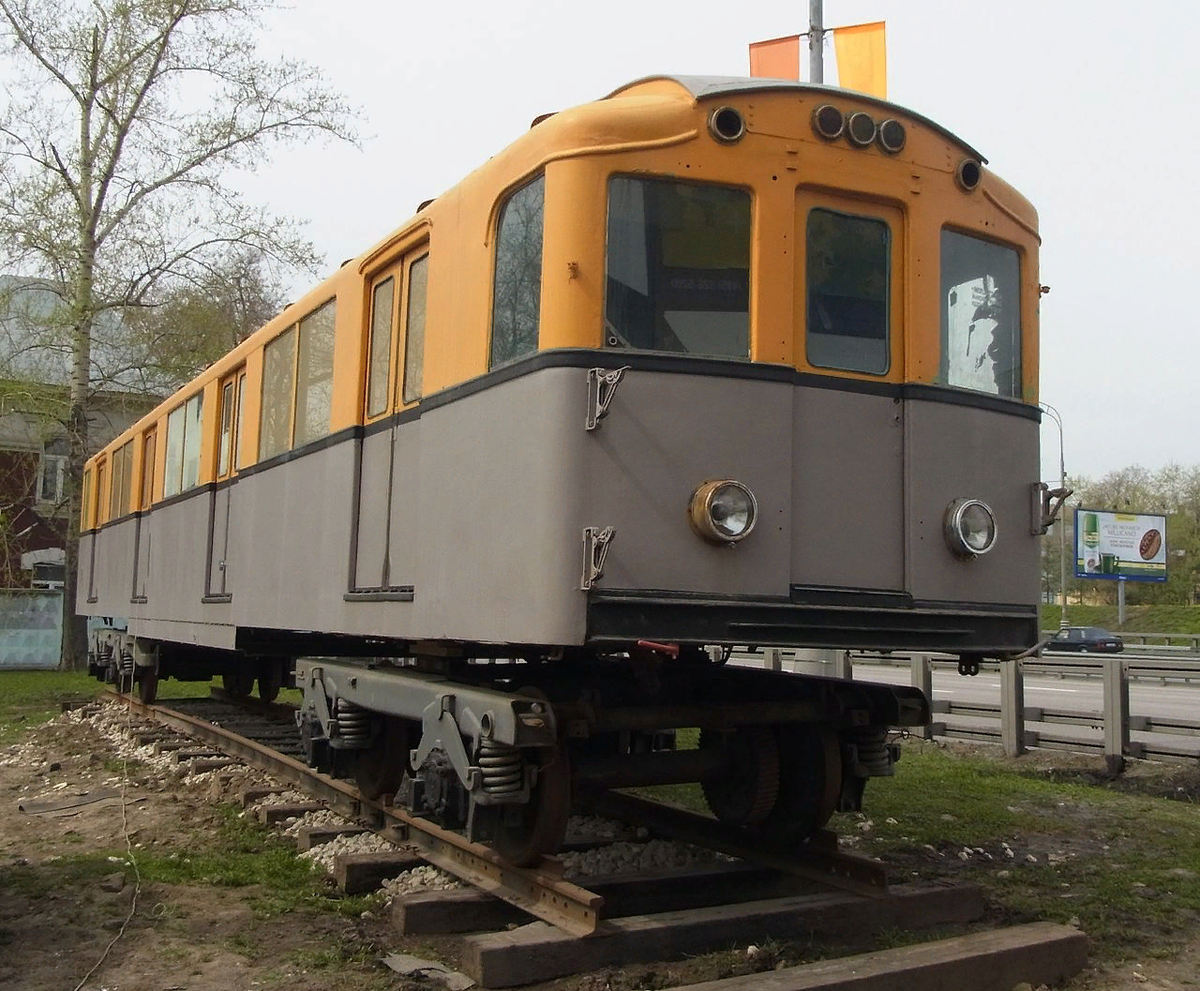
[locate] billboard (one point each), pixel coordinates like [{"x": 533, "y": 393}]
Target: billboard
[{"x": 1132, "y": 546}]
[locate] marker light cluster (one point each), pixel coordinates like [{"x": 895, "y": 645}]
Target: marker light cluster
[{"x": 860, "y": 128}]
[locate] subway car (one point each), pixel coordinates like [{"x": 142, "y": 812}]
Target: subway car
[{"x": 706, "y": 363}]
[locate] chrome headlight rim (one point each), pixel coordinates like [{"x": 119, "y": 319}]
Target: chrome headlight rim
[
  {"x": 955, "y": 533},
  {"x": 703, "y": 520}
]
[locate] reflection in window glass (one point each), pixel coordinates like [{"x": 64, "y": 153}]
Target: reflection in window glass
[
  {"x": 517, "y": 298},
  {"x": 149, "y": 443},
  {"x": 279, "y": 367},
  {"x": 225, "y": 447},
  {"x": 414, "y": 334},
  {"x": 981, "y": 315},
  {"x": 122, "y": 479},
  {"x": 381, "y": 346},
  {"x": 171, "y": 485},
  {"x": 85, "y": 521},
  {"x": 847, "y": 274},
  {"x": 191, "y": 441},
  {"x": 183, "y": 447},
  {"x": 678, "y": 267},
  {"x": 314, "y": 394}
]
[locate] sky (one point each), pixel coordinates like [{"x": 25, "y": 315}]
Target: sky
[{"x": 1085, "y": 107}]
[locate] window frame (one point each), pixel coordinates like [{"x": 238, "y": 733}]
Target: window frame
[
  {"x": 296, "y": 330},
  {"x": 502, "y": 206},
  {"x": 231, "y": 390},
  {"x": 149, "y": 441},
  {"x": 121, "y": 482},
  {"x": 388, "y": 275},
  {"x": 60, "y": 464},
  {"x": 1018, "y": 254},
  {"x": 417, "y": 256},
  {"x": 610, "y": 340},
  {"x": 176, "y": 483}
]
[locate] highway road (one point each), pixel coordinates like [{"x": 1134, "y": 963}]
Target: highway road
[{"x": 1174, "y": 700}]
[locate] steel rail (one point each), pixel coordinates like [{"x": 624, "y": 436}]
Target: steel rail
[
  {"x": 817, "y": 860},
  {"x": 540, "y": 892}
]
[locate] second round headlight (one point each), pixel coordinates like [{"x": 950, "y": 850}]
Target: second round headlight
[
  {"x": 723, "y": 511},
  {"x": 970, "y": 527}
]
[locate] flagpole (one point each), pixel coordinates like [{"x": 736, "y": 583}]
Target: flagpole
[{"x": 816, "y": 42}]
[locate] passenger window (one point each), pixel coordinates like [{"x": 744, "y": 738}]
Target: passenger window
[
  {"x": 229, "y": 439},
  {"x": 101, "y": 476},
  {"x": 981, "y": 315},
  {"x": 279, "y": 371},
  {"x": 848, "y": 270},
  {"x": 678, "y": 268},
  {"x": 414, "y": 329},
  {"x": 149, "y": 452},
  {"x": 183, "y": 447},
  {"x": 517, "y": 296},
  {"x": 380, "y": 346},
  {"x": 122, "y": 480},
  {"x": 314, "y": 393},
  {"x": 87, "y": 516}
]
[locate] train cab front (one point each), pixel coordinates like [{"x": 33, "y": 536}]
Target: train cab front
[{"x": 820, "y": 425}]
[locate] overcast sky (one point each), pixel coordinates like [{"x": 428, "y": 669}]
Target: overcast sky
[{"x": 1086, "y": 107}]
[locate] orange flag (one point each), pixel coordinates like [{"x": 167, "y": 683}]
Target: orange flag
[
  {"x": 778, "y": 58},
  {"x": 861, "y": 58}
]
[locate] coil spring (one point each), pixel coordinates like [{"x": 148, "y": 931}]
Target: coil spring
[
  {"x": 126, "y": 663},
  {"x": 501, "y": 767},
  {"x": 874, "y": 755},
  {"x": 353, "y": 723}
]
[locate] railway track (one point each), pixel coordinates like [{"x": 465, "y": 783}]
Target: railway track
[{"x": 764, "y": 894}]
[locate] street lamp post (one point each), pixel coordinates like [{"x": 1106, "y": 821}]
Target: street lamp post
[{"x": 1062, "y": 523}]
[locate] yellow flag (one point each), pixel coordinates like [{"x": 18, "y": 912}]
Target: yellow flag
[
  {"x": 862, "y": 58},
  {"x": 778, "y": 58}
]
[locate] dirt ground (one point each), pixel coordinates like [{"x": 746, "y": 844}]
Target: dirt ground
[{"x": 81, "y": 933}]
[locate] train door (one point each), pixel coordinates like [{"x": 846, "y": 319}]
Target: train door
[
  {"x": 388, "y": 455},
  {"x": 232, "y": 393},
  {"x": 96, "y": 518},
  {"x": 144, "y": 526},
  {"x": 848, "y": 462},
  {"x": 371, "y": 560}
]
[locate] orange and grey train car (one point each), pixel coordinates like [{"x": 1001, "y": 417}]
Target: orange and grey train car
[{"x": 708, "y": 362}]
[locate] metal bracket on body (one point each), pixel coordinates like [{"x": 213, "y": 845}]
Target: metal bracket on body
[
  {"x": 595, "y": 552},
  {"x": 602, "y": 386},
  {"x": 1045, "y": 504}
]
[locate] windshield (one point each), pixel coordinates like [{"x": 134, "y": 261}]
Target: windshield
[
  {"x": 981, "y": 315},
  {"x": 678, "y": 268}
]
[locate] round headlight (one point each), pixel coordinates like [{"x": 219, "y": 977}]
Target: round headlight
[
  {"x": 970, "y": 527},
  {"x": 723, "y": 511}
]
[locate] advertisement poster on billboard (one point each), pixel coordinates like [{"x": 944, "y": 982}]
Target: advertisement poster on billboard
[{"x": 1132, "y": 546}]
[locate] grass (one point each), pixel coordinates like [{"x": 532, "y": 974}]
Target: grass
[
  {"x": 28, "y": 698},
  {"x": 1125, "y": 866},
  {"x": 1138, "y": 619}
]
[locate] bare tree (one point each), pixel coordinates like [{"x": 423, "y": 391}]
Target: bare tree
[{"x": 122, "y": 119}]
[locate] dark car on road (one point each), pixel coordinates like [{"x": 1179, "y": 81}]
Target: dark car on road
[{"x": 1085, "y": 638}]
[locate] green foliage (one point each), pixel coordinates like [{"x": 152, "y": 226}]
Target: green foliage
[
  {"x": 1126, "y": 866},
  {"x": 1138, "y": 619}
]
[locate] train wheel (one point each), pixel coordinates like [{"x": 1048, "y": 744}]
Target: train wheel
[
  {"x": 746, "y": 795},
  {"x": 810, "y": 781},
  {"x": 270, "y": 678},
  {"x": 525, "y": 833},
  {"x": 379, "y": 768},
  {"x": 148, "y": 685},
  {"x": 239, "y": 682}
]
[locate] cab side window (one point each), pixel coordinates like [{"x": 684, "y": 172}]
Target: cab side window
[{"x": 517, "y": 295}]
